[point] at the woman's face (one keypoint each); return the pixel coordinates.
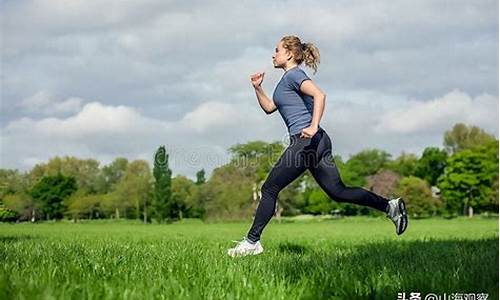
(280, 56)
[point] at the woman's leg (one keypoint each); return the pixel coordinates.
(288, 167)
(326, 174)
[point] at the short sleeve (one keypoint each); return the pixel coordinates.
(296, 77)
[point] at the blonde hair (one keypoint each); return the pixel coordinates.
(302, 52)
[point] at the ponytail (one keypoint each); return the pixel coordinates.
(310, 56)
(302, 52)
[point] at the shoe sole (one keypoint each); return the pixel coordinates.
(246, 254)
(402, 210)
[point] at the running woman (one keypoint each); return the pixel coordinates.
(301, 104)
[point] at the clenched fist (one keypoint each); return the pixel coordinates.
(257, 79)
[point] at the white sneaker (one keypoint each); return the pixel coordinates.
(397, 214)
(244, 247)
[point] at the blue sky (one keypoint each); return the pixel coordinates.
(102, 79)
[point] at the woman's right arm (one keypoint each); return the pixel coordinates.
(265, 103)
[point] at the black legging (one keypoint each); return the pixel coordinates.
(314, 154)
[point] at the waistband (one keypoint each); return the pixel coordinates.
(298, 134)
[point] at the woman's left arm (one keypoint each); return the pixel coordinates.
(308, 87)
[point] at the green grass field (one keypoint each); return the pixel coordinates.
(348, 258)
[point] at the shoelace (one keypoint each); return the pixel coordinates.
(394, 218)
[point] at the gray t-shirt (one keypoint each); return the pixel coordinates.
(295, 107)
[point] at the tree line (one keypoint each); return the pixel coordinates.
(459, 179)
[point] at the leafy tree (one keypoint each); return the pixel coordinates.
(110, 175)
(200, 177)
(228, 192)
(163, 206)
(14, 193)
(50, 193)
(362, 164)
(319, 202)
(135, 188)
(418, 197)
(84, 171)
(188, 196)
(80, 204)
(12, 182)
(200, 198)
(469, 178)
(431, 165)
(7, 215)
(492, 203)
(111, 204)
(22, 204)
(462, 137)
(249, 150)
(405, 164)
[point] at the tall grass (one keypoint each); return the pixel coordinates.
(348, 258)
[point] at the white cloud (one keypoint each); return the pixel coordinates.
(199, 139)
(46, 103)
(441, 113)
(94, 118)
(139, 75)
(209, 115)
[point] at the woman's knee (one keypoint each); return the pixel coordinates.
(338, 192)
(268, 187)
